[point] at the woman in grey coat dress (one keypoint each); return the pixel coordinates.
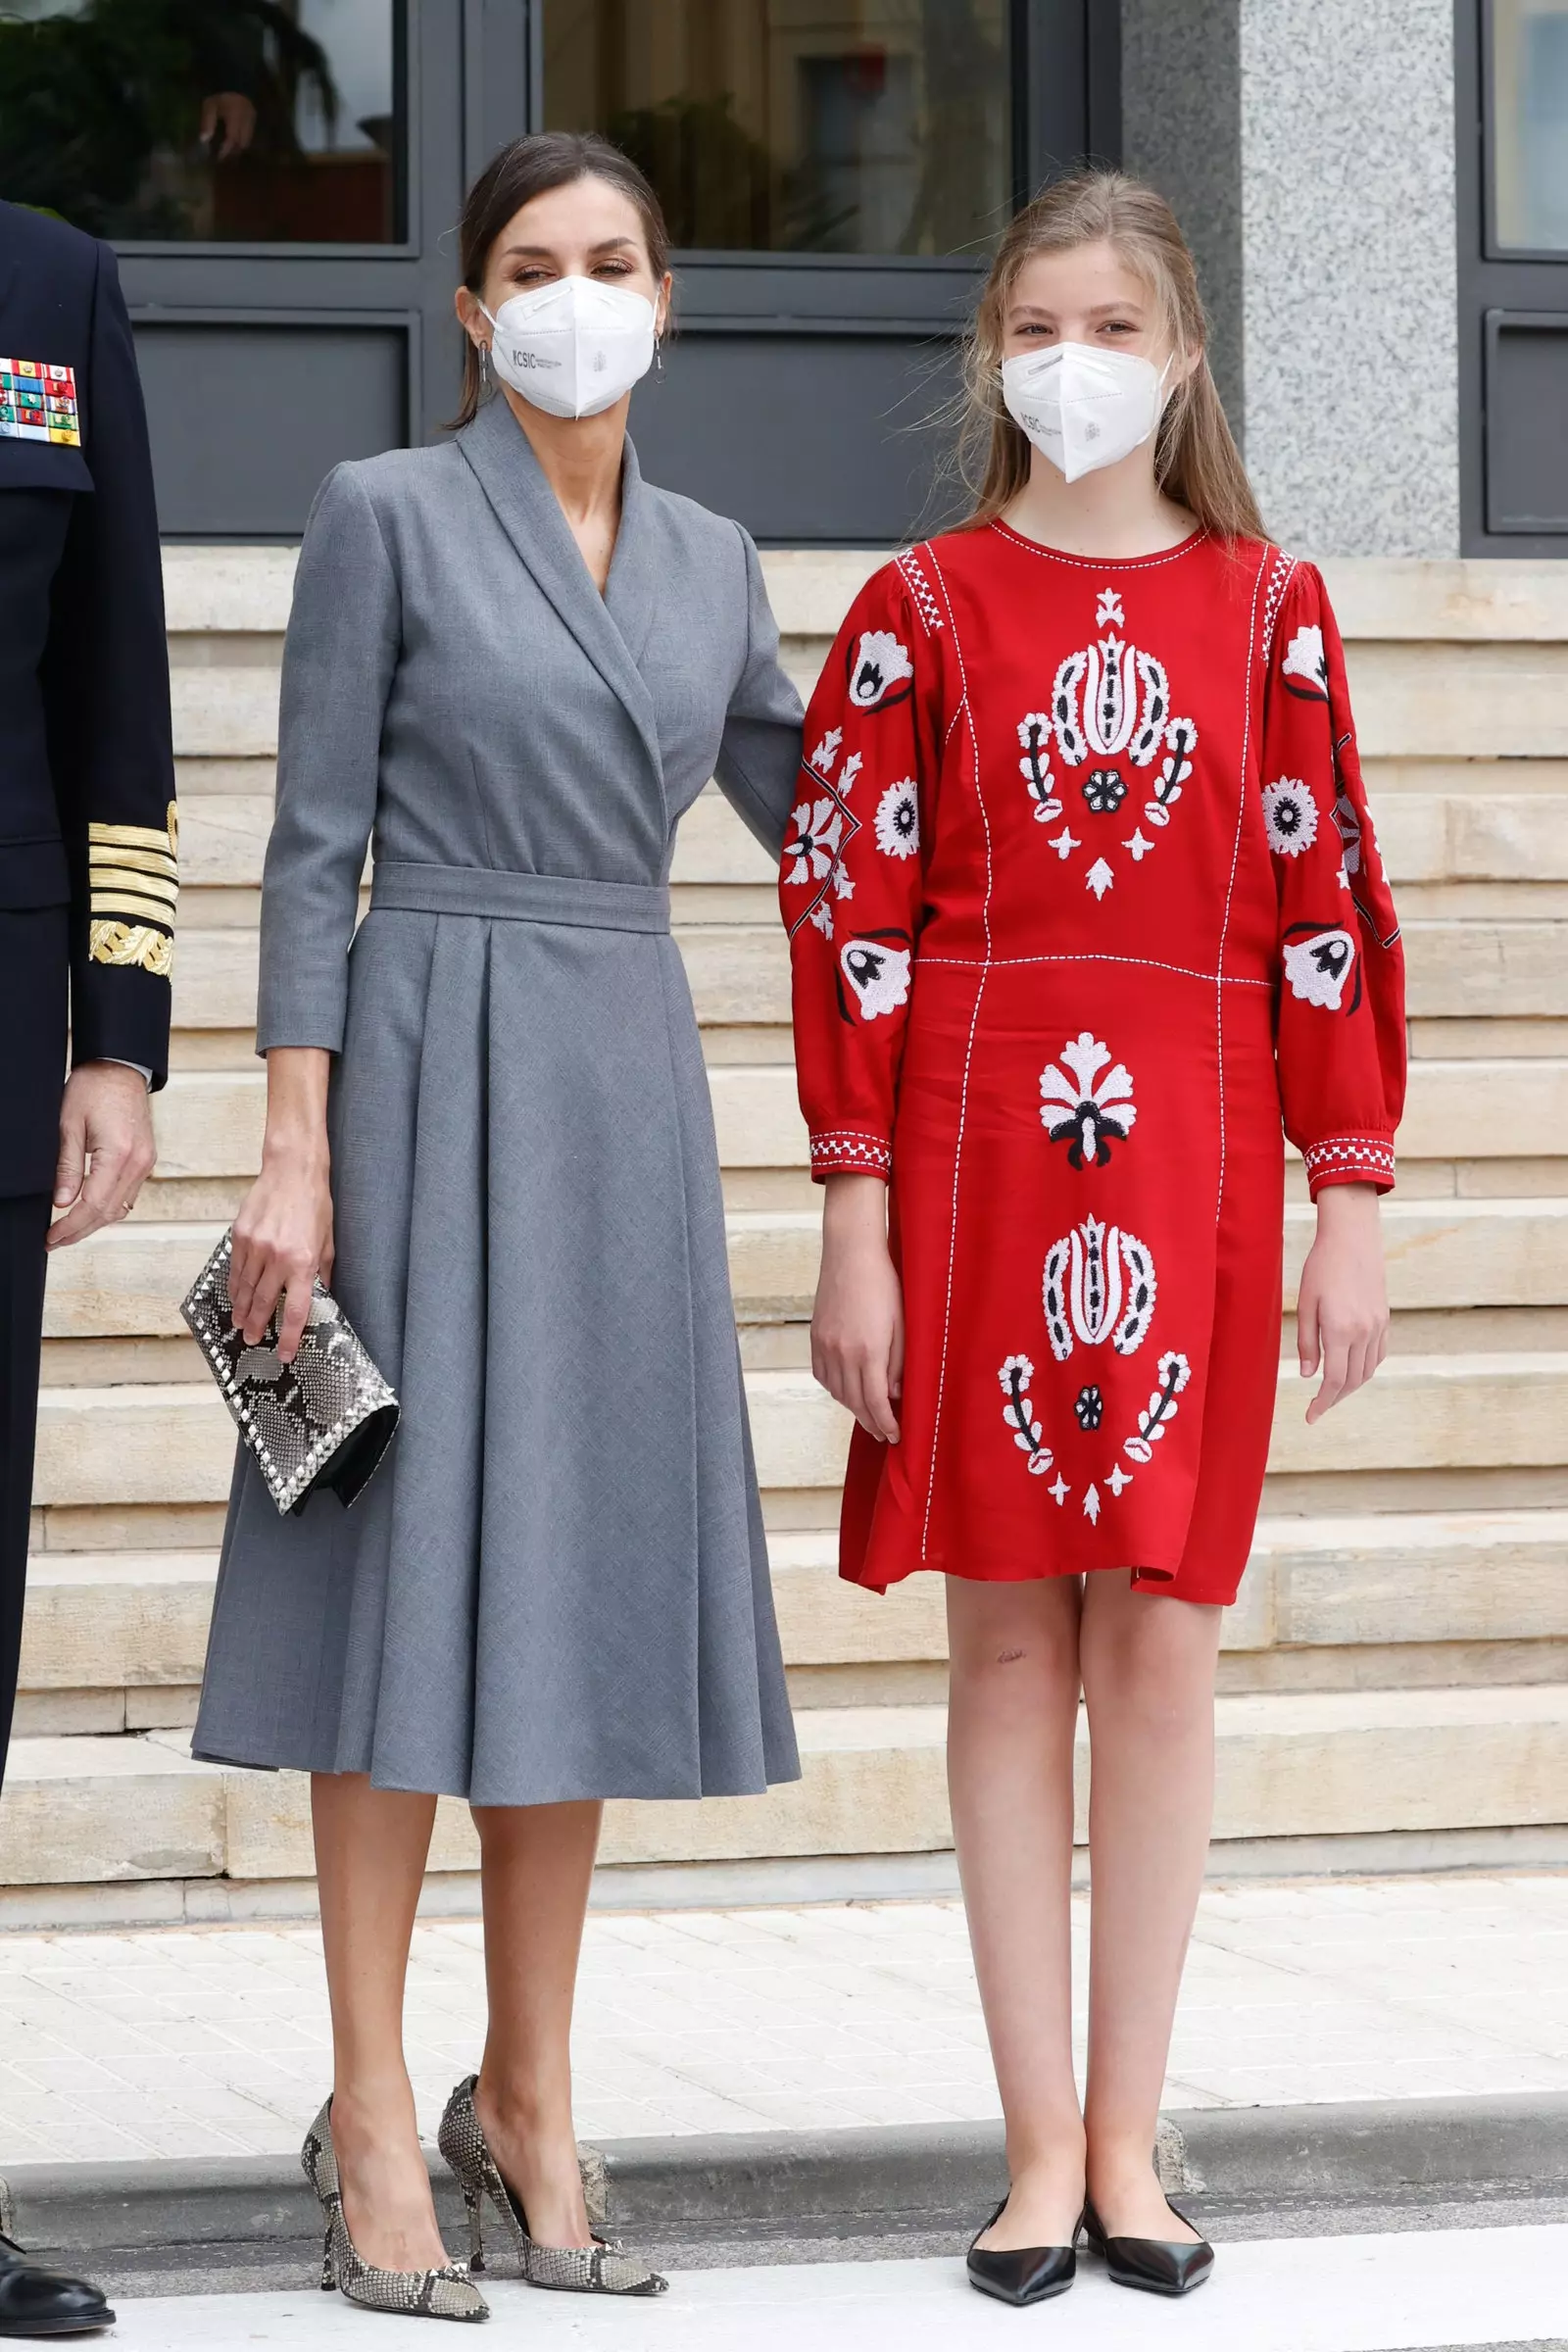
(512, 664)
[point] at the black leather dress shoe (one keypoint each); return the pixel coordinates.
(1160, 2266)
(38, 2304)
(1021, 2275)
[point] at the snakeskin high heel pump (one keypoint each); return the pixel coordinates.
(602, 2268)
(446, 2294)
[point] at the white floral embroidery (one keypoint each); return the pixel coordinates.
(1289, 816)
(1019, 1413)
(821, 917)
(1139, 846)
(880, 663)
(1173, 1372)
(1102, 1282)
(1318, 967)
(1034, 734)
(852, 768)
(1108, 612)
(1099, 878)
(897, 819)
(1059, 1491)
(1110, 698)
(1118, 1478)
(1181, 739)
(1343, 879)
(1304, 659)
(813, 844)
(878, 973)
(1087, 1108)
(827, 751)
(1063, 844)
(1092, 1505)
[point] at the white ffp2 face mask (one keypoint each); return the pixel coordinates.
(573, 347)
(1081, 407)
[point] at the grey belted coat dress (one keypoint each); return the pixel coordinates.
(556, 1584)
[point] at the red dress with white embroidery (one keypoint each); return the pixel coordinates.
(1085, 907)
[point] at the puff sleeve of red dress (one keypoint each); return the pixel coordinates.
(1342, 1079)
(853, 872)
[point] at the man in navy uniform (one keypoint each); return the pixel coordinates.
(89, 880)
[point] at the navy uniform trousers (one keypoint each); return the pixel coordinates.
(87, 823)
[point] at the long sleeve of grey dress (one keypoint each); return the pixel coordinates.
(557, 1585)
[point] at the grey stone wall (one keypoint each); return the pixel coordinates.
(1350, 297)
(1307, 147)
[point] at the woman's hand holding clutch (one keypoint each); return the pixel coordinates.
(283, 1233)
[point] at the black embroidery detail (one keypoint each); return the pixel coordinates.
(1104, 791)
(1090, 1406)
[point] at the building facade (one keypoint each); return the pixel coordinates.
(1378, 198)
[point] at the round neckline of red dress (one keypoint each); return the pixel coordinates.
(1059, 554)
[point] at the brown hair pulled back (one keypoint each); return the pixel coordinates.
(1197, 460)
(528, 168)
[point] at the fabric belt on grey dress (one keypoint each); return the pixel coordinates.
(577, 901)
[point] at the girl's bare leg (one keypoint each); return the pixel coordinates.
(1148, 1668)
(538, 1863)
(1012, 1713)
(370, 1848)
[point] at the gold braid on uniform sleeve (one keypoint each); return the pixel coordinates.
(133, 876)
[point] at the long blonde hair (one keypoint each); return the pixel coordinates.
(1196, 462)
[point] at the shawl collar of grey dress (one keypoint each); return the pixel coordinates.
(557, 1585)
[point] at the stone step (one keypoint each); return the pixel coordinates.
(1422, 1412)
(129, 1279)
(1424, 836)
(172, 1443)
(209, 1122)
(1311, 1764)
(239, 591)
(739, 973)
(1412, 700)
(128, 1620)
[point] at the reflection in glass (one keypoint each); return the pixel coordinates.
(214, 121)
(798, 126)
(1530, 123)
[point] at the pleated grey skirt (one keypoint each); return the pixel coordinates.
(556, 1584)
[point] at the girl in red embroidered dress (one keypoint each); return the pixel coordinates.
(1085, 909)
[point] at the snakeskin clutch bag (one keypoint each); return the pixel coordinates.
(325, 1420)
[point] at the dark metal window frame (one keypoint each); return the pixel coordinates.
(1498, 287)
(474, 77)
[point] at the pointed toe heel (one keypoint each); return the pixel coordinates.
(1020, 2275)
(443, 2293)
(1156, 2265)
(601, 2269)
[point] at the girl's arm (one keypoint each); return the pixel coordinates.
(1341, 1055)
(850, 889)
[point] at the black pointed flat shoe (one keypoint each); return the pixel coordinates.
(1160, 2266)
(1021, 2275)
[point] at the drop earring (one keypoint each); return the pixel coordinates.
(484, 367)
(659, 355)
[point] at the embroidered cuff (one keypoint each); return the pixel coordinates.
(1350, 1159)
(849, 1152)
